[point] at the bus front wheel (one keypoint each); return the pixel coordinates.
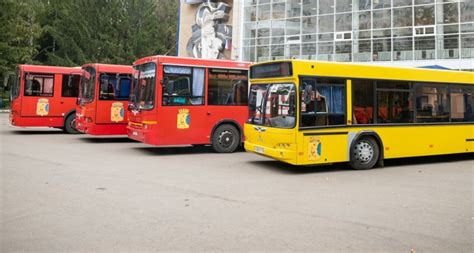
(364, 153)
(70, 124)
(226, 139)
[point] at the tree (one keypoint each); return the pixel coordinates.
(113, 31)
(19, 32)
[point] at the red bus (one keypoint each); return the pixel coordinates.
(45, 96)
(179, 101)
(103, 99)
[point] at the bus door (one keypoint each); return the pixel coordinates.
(69, 91)
(41, 95)
(113, 96)
(183, 114)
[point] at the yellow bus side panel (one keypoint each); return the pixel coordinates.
(332, 145)
(322, 149)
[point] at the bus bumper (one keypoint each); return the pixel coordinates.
(287, 156)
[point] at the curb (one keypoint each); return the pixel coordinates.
(4, 111)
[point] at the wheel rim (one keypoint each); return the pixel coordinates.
(364, 151)
(226, 139)
(73, 124)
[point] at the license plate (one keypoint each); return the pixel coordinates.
(134, 133)
(259, 150)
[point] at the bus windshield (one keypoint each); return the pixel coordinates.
(143, 94)
(87, 85)
(16, 85)
(272, 105)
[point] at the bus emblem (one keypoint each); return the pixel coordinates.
(314, 149)
(42, 107)
(117, 112)
(183, 119)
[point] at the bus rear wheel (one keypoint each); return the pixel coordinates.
(364, 153)
(70, 124)
(226, 139)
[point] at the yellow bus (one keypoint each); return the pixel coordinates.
(309, 113)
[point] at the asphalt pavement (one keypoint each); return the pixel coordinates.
(63, 193)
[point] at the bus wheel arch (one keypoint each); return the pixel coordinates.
(369, 143)
(69, 121)
(226, 128)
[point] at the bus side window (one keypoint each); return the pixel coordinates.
(183, 85)
(395, 102)
(323, 102)
(39, 85)
(363, 101)
(462, 104)
(227, 87)
(70, 86)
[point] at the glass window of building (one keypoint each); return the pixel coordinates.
(326, 6)
(293, 26)
(343, 22)
(343, 5)
(308, 51)
(264, 28)
(382, 18)
(278, 11)
(447, 13)
(423, 2)
(362, 50)
(326, 24)
(379, 4)
(264, 12)
(402, 17)
(467, 11)
(293, 8)
(309, 25)
(467, 46)
(424, 48)
(382, 49)
(310, 7)
(424, 15)
(343, 51)
(362, 21)
(278, 52)
(250, 14)
(403, 49)
(362, 4)
(325, 51)
(448, 46)
(398, 3)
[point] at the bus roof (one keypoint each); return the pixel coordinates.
(49, 69)
(187, 61)
(366, 71)
(110, 68)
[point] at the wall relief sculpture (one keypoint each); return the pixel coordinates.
(210, 35)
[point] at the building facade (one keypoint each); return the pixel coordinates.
(387, 32)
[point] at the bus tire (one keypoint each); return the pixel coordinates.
(70, 124)
(365, 153)
(225, 139)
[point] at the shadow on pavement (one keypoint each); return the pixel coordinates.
(107, 139)
(428, 160)
(38, 132)
(179, 150)
(389, 163)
